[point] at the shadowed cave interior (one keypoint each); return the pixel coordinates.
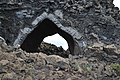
(44, 29)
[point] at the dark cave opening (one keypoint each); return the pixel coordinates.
(44, 29)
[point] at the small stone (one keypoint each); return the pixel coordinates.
(74, 78)
(18, 54)
(62, 65)
(2, 71)
(94, 36)
(4, 62)
(41, 76)
(92, 59)
(108, 70)
(98, 45)
(69, 79)
(2, 40)
(59, 13)
(111, 49)
(75, 66)
(52, 59)
(28, 78)
(9, 76)
(89, 5)
(42, 55)
(29, 60)
(3, 44)
(60, 73)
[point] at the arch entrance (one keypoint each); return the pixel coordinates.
(56, 40)
(29, 39)
(44, 29)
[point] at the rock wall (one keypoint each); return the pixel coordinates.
(90, 20)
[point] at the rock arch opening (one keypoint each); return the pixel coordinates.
(44, 29)
(56, 40)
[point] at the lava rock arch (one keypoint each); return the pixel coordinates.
(44, 29)
(46, 25)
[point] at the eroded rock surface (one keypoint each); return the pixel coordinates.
(50, 49)
(78, 18)
(93, 24)
(95, 64)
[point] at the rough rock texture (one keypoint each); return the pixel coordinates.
(78, 18)
(95, 64)
(50, 49)
(91, 28)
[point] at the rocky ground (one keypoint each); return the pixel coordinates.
(97, 62)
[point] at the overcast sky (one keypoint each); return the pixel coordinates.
(59, 41)
(117, 3)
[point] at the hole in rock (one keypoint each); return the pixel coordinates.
(45, 28)
(57, 40)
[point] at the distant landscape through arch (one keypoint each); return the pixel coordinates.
(44, 29)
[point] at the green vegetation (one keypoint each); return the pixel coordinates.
(116, 67)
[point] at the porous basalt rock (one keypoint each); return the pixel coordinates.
(50, 49)
(76, 18)
(91, 28)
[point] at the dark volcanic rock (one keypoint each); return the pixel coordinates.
(49, 67)
(91, 28)
(78, 19)
(51, 49)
